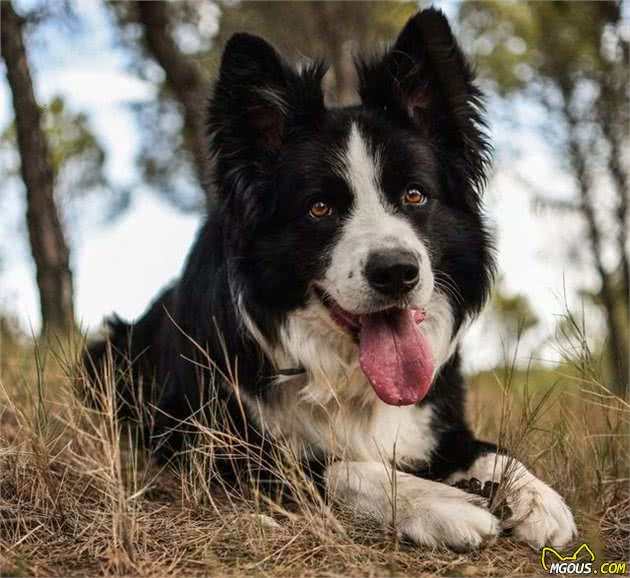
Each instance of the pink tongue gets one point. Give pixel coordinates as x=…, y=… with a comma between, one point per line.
x=395, y=356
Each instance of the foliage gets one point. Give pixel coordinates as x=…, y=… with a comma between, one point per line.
x=298, y=29
x=513, y=312
x=77, y=158
x=293, y=26
x=522, y=45
x=572, y=60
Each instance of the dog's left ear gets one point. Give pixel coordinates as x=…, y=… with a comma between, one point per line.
x=258, y=100
x=425, y=79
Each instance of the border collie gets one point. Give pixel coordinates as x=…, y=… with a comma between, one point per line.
x=343, y=257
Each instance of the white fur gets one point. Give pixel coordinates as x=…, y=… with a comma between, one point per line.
x=429, y=513
x=372, y=226
x=540, y=516
x=332, y=406
x=333, y=409
x=400, y=434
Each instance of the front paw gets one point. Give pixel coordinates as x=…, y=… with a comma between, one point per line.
x=541, y=517
x=451, y=518
x=528, y=508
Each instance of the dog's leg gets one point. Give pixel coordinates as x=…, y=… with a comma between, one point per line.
x=539, y=515
x=426, y=512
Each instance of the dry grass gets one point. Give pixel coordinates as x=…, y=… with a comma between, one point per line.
x=77, y=497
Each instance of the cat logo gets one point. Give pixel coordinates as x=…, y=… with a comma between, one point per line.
x=568, y=564
x=582, y=561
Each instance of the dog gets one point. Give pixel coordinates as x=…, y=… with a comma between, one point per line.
x=322, y=305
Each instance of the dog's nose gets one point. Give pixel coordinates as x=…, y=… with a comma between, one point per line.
x=393, y=273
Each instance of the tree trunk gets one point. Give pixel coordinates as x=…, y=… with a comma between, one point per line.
x=620, y=180
x=183, y=77
x=331, y=23
x=618, y=353
x=611, y=128
x=48, y=245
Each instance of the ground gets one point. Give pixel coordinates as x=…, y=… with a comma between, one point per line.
x=78, y=498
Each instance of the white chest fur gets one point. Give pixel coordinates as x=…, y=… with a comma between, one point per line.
x=333, y=408
x=372, y=432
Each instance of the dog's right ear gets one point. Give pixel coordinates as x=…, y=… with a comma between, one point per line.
x=257, y=99
x=425, y=79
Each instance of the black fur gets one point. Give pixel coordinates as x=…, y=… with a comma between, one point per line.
x=270, y=137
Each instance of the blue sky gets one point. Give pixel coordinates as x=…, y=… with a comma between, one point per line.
x=89, y=71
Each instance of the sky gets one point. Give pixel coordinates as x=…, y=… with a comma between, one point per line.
x=90, y=72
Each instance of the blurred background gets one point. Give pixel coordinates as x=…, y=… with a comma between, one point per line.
x=103, y=159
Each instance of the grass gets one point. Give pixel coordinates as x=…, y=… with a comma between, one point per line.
x=78, y=497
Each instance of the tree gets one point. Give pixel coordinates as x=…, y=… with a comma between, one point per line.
x=183, y=39
x=514, y=312
x=183, y=77
x=48, y=245
x=77, y=159
x=572, y=59
x=334, y=30
x=512, y=318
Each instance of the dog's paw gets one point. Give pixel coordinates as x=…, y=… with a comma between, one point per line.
x=427, y=512
x=529, y=509
x=540, y=515
x=453, y=519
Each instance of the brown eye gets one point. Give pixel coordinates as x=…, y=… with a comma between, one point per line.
x=319, y=210
x=413, y=196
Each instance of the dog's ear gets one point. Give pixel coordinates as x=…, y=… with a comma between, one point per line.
x=425, y=78
x=251, y=90
x=257, y=99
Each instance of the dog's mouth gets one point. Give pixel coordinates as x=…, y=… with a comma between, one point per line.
x=394, y=353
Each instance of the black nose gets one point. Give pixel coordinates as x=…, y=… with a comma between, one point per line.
x=392, y=273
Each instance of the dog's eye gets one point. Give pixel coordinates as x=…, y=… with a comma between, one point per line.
x=319, y=210
x=413, y=196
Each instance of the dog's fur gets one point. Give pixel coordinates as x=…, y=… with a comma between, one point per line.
x=252, y=301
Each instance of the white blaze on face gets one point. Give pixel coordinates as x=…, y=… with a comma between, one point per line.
x=335, y=386
x=372, y=226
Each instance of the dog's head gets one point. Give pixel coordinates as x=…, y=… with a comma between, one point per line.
x=370, y=213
